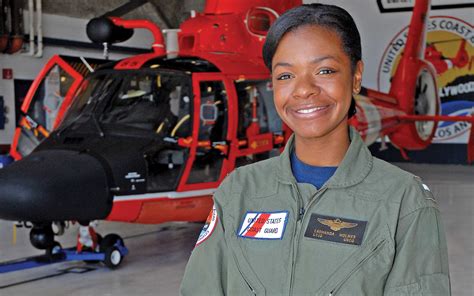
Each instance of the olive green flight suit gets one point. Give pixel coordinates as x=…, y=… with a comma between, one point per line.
x=397, y=246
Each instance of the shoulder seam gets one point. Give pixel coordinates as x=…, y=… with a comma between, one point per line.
x=417, y=210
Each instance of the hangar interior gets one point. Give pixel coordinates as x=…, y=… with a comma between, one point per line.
x=158, y=252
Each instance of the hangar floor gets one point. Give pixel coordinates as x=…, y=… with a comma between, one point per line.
x=158, y=253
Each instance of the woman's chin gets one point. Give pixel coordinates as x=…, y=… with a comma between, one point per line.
x=309, y=134
x=313, y=132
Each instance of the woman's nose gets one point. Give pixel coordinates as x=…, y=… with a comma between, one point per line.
x=305, y=87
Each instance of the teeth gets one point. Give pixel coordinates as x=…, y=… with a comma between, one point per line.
x=311, y=110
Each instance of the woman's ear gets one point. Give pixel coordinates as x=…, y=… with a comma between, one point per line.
x=357, y=77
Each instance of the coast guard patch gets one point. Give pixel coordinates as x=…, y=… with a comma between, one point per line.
x=263, y=225
x=208, y=227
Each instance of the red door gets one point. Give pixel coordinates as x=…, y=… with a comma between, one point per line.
x=46, y=102
x=208, y=162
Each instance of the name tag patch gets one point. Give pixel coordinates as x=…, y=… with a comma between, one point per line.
x=263, y=225
x=334, y=229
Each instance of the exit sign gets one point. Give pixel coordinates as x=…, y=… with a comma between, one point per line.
x=7, y=73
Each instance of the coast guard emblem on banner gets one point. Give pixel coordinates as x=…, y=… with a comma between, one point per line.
x=208, y=227
x=263, y=225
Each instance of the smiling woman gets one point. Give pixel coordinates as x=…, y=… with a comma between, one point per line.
x=325, y=217
x=313, y=89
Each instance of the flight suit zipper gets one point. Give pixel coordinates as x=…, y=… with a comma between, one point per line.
x=358, y=265
x=252, y=290
x=294, y=245
x=297, y=235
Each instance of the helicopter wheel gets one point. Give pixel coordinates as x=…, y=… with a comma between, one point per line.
x=109, y=246
x=113, y=257
x=55, y=249
x=426, y=102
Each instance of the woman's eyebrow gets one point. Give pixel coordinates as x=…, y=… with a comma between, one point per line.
x=322, y=58
x=281, y=64
x=314, y=61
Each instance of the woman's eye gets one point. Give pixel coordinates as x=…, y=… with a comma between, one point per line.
x=283, y=77
x=326, y=71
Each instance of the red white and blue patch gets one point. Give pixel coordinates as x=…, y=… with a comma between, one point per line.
x=263, y=225
x=208, y=227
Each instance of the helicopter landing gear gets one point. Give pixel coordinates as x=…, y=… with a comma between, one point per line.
x=42, y=236
x=109, y=250
x=88, y=238
x=111, y=247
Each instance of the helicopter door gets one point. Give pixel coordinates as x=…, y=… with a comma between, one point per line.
x=42, y=108
x=47, y=100
x=207, y=161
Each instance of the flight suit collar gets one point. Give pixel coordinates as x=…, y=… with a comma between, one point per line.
x=355, y=166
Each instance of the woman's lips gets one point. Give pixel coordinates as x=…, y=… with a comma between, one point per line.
x=310, y=112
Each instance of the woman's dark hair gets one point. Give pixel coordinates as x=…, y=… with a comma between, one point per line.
x=328, y=16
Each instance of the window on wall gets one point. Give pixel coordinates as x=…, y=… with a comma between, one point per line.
x=2, y=113
x=213, y=128
x=21, y=89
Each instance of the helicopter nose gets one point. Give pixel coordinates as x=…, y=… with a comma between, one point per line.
x=54, y=185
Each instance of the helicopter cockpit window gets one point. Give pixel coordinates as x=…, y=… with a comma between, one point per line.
x=212, y=128
x=156, y=102
x=92, y=89
x=49, y=97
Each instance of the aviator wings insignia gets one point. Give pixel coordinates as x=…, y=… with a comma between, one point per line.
x=336, y=224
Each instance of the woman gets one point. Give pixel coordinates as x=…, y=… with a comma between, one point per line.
x=325, y=217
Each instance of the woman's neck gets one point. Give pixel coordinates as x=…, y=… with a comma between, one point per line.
x=328, y=150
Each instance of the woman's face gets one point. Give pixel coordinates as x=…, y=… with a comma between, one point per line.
x=313, y=81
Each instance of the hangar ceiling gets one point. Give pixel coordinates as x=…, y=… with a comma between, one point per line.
x=166, y=13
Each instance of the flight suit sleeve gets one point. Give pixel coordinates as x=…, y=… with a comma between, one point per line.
x=206, y=271
x=420, y=266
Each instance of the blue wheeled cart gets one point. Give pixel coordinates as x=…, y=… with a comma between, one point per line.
x=5, y=160
x=112, y=251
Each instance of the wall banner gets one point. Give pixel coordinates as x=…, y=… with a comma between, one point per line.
x=450, y=49
x=407, y=5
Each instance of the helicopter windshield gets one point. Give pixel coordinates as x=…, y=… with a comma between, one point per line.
x=147, y=100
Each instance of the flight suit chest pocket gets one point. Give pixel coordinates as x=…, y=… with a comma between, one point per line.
x=245, y=281
x=260, y=246
x=365, y=259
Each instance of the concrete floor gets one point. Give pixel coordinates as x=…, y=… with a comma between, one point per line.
x=158, y=253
